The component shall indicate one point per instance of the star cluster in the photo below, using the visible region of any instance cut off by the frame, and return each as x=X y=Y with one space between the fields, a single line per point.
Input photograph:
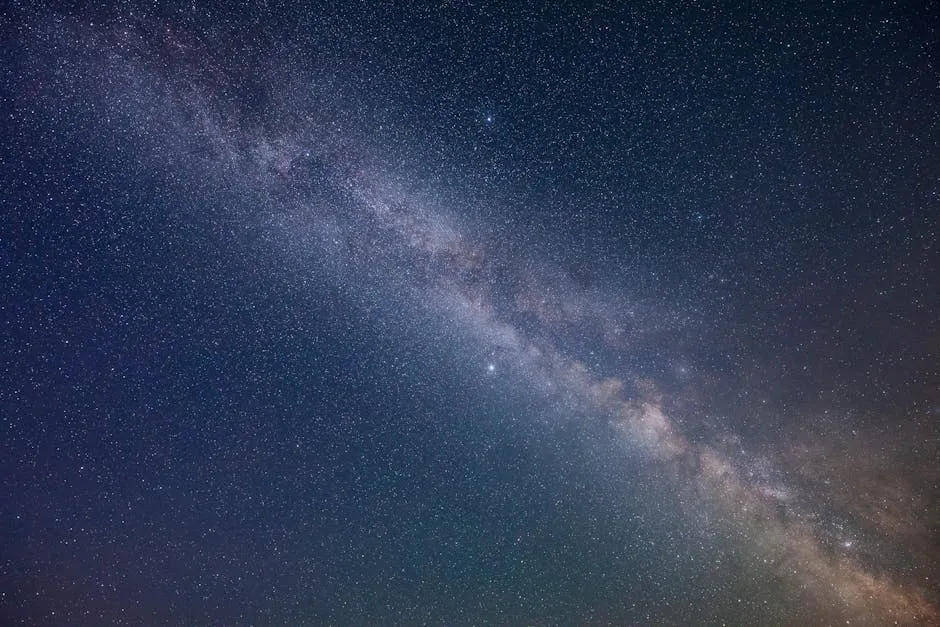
x=469 y=314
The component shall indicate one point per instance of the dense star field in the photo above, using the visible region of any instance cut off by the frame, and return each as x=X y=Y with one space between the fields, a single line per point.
x=469 y=313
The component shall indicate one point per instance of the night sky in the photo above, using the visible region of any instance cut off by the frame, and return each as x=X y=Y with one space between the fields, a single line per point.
x=469 y=313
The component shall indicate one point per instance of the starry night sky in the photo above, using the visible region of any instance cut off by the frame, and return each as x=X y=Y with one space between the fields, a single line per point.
x=469 y=313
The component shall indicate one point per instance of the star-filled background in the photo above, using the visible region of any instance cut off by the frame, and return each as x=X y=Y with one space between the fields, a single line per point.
x=469 y=313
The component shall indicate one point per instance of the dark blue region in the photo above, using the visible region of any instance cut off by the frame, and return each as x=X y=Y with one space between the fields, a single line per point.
x=194 y=432
x=191 y=434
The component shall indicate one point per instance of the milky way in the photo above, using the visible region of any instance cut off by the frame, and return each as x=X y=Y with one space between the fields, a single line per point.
x=298 y=179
